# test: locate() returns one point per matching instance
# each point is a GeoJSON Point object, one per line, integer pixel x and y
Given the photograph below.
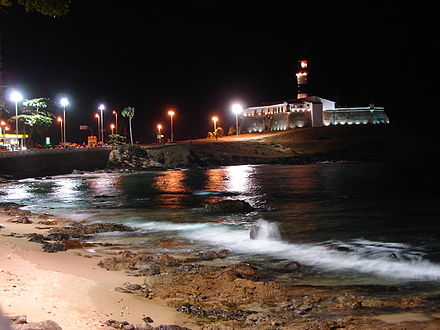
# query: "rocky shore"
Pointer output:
{"type": "Point", "coordinates": [387, 143]}
{"type": "Point", "coordinates": [211, 289]}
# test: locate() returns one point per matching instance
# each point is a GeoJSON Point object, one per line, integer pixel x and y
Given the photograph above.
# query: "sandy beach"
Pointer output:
{"type": "Point", "coordinates": [68, 287]}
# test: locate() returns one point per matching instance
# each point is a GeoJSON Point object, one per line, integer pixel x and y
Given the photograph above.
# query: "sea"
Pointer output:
{"type": "Point", "coordinates": [345, 223]}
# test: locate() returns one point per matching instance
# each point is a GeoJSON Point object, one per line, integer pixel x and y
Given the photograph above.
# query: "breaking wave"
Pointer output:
{"type": "Point", "coordinates": [392, 260]}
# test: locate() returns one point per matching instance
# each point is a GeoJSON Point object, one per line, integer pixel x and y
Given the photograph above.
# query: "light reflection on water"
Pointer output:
{"type": "Point", "coordinates": [313, 204]}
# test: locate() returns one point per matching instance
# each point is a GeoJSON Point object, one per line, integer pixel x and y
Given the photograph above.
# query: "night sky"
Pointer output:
{"type": "Point", "coordinates": [199, 57]}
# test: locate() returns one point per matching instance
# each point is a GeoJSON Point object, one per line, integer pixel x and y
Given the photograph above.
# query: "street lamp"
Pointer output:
{"type": "Point", "coordinates": [2, 123]}
{"type": "Point", "coordinates": [112, 127]}
{"type": "Point", "coordinates": [64, 103]}
{"type": "Point", "coordinates": [159, 133]}
{"type": "Point", "coordinates": [16, 97]}
{"type": "Point", "coordinates": [116, 120]}
{"type": "Point", "coordinates": [214, 119]}
{"type": "Point", "coordinates": [60, 120]}
{"type": "Point", "coordinates": [102, 108]}
{"type": "Point", "coordinates": [237, 108]}
{"type": "Point", "coordinates": [99, 135]}
{"type": "Point", "coordinates": [171, 114]}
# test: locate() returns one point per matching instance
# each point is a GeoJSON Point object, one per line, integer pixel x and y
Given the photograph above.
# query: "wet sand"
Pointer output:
{"type": "Point", "coordinates": [68, 287]}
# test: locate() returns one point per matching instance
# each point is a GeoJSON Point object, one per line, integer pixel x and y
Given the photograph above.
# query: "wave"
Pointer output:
{"type": "Point", "coordinates": [362, 256]}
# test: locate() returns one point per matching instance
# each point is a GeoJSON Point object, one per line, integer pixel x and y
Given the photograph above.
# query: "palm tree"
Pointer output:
{"type": "Point", "coordinates": [129, 112]}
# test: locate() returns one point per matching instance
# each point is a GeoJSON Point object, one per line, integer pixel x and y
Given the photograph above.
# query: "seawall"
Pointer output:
{"type": "Point", "coordinates": [35, 163]}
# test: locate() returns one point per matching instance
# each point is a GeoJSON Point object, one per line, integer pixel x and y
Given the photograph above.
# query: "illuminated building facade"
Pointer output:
{"type": "Point", "coordinates": [307, 111]}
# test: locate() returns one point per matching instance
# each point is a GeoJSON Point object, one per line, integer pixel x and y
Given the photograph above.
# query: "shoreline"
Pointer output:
{"type": "Point", "coordinates": [77, 289]}
{"type": "Point", "coordinates": [68, 288]}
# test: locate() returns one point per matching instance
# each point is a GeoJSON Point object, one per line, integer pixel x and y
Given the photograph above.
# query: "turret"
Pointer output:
{"type": "Point", "coordinates": [302, 77]}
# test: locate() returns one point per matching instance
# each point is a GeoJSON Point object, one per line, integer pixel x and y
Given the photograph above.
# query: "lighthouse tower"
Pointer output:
{"type": "Point", "coordinates": [302, 77]}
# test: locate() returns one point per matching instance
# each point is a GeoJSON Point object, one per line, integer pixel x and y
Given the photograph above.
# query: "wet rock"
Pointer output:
{"type": "Point", "coordinates": [242, 271]}
{"type": "Point", "coordinates": [393, 256]}
{"type": "Point", "coordinates": [17, 212]}
{"type": "Point", "coordinates": [164, 259]}
{"type": "Point", "coordinates": [410, 302]}
{"type": "Point", "coordinates": [143, 326]}
{"type": "Point", "coordinates": [20, 323]}
{"type": "Point", "coordinates": [147, 319]}
{"type": "Point", "coordinates": [72, 244]}
{"type": "Point", "coordinates": [147, 268]}
{"type": "Point", "coordinates": [117, 324]}
{"type": "Point", "coordinates": [229, 206]}
{"type": "Point", "coordinates": [53, 247]}
{"type": "Point", "coordinates": [209, 255]}
{"type": "Point", "coordinates": [122, 290]}
{"type": "Point", "coordinates": [372, 303]}
{"type": "Point", "coordinates": [349, 301]}
{"type": "Point", "coordinates": [293, 265]}
{"type": "Point", "coordinates": [132, 287]}
{"type": "Point", "coordinates": [20, 219]}
{"type": "Point", "coordinates": [114, 263]}
{"type": "Point", "coordinates": [191, 309]}
{"type": "Point", "coordinates": [37, 238]}
{"type": "Point", "coordinates": [253, 320]}
{"type": "Point", "coordinates": [78, 230]}
{"type": "Point", "coordinates": [59, 237]}
{"type": "Point", "coordinates": [46, 223]}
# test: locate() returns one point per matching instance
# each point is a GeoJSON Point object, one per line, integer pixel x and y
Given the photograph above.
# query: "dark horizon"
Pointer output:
{"type": "Point", "coordinates": [200, 57]}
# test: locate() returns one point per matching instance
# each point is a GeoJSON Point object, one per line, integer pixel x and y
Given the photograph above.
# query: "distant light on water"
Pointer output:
{"type": "Point", "coordinates": [239, 180]}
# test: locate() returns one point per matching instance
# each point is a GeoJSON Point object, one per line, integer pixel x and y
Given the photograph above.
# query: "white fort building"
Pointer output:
{"type": "Point", "coordinates": [307, 111]}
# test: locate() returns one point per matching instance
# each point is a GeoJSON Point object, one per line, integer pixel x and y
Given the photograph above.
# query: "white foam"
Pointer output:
{"type": "Point", "coordinates": [321, 256]}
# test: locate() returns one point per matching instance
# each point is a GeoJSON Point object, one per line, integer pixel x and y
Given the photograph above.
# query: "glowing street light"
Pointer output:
{"type": "Point", "coordinates": [2, 128]}
{"type": "Point", "coordinates": [102, 108]}
{"type": "Point", "coordinates": [60, 120]}
{"type": "Point", "coordinates": [159, 133]}
{"type": "Point", "coordinates": [64, 103]}
{"type": "Point", "coordinates": [116, 120]}
{"type": "Point", "coordinates": [16, 97]}
{"type": "Point", "coordinates": [171, 114]}
{"type": "Point", "coordinates": [112, 127]}
{"type": "Point", "coordinates": [215, 119]}
{"type": "Point", "coordinates": [99, 135]}
{"type": "Point", "coordinates": [237, 109]}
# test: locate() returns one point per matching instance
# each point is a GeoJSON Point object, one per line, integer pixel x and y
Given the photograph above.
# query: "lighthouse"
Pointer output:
{"type": "Point", "coordinates": [302, 78]}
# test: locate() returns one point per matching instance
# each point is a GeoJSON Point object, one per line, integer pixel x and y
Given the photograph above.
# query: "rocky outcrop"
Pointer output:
{"type": "Point", "coordinates": [72, 236]}
{"type": "Point", "coordinates": [20, 322]}
{"type": "Point", "coordinates": [77, 230]}
{"type": "Point", "coordinates": [229, 206]}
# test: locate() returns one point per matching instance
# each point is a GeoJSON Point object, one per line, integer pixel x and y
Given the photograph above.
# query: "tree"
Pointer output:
{"type": "Point", "coordinates": [219, 132]}
{"type": "Point", "coordinates": [37, 116]}
{"type": "Point", "coordinates": [129, 113]}
{"type": "Point", "coordinates": [116, 139]}
{"type": "Point", "coordinates": [54, 8]}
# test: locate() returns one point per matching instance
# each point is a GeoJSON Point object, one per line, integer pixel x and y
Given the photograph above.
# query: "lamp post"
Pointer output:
{"type": "Point", "coordinates": [171, 114]}
{"type": "Point", "coordinates": [60, 120]}
{"type": "Point", "coordinates": [99, 134]}
{"type": "Point", "coordinates": [236, 108]}
{"type": "Point", "coordinates": [102, 108]}
{"type": "Point", "coordinates": [16, 97]}
{"type": "Point", "coordinates": [159, 133]}
{"type": "Point", "coordinates": [112, 127]}
{"type": "Point", "coordinates": [116, 120]}
{"type": "Point", "coordinates": [214, 119]}
{"type": "Point", "coordinates": [64, 103]}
